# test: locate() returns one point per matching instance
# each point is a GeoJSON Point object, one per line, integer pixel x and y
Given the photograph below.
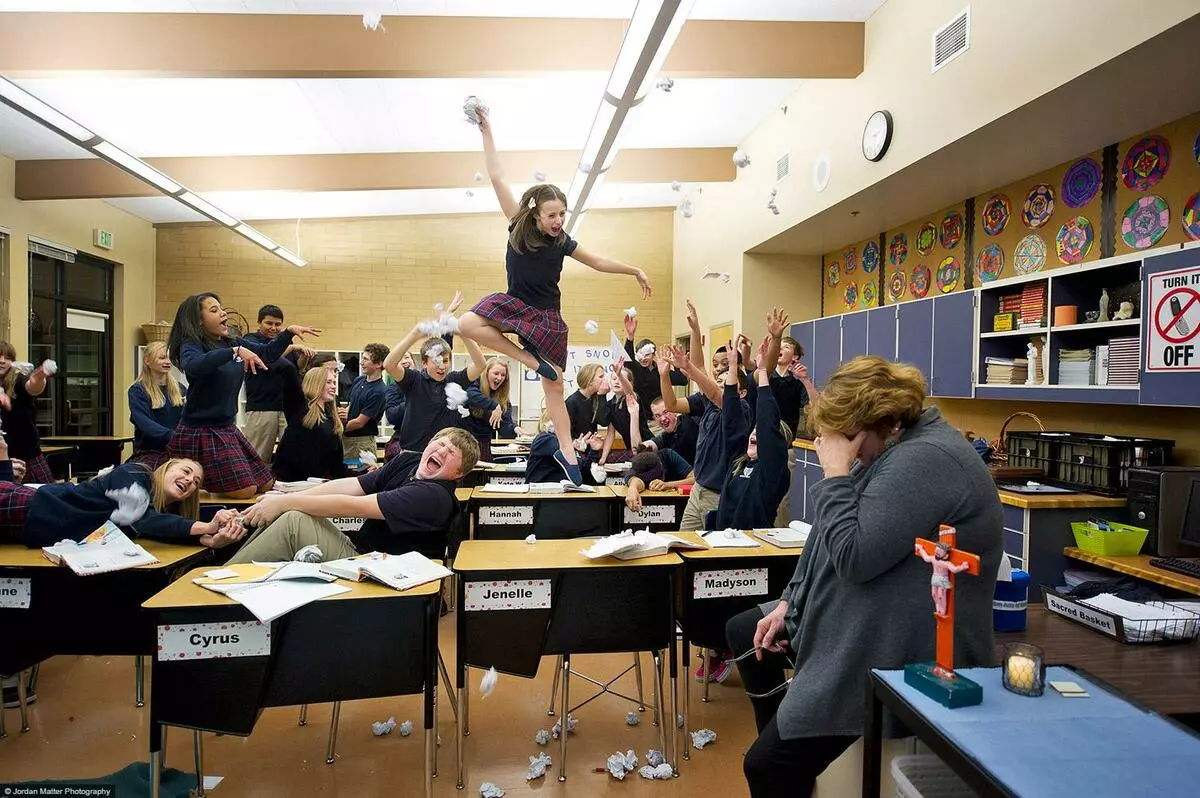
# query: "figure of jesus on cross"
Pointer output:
{"type": "Point", "coordinates": [946, 561]}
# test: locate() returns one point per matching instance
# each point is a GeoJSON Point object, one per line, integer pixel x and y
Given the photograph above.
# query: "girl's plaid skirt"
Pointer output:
{"type": "Point", "coordinates": [542, 332]}
{"type": "Point", "coordinates": [230, 462]}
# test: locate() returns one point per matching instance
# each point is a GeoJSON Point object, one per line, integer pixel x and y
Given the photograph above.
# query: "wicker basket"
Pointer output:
{"type": "Point", "coordinates": [156, 331]}
{"type": "Point", "coordinates": [999, 467]}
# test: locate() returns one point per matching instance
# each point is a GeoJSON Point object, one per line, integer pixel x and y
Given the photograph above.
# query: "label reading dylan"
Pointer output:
{"type": "Point", "coordinates": [651, 514]}
{"type": "Point", "coordinates": [505, 514]}
{"type": "Point", "coordinates": [15, 593]}
{"type": "Point", "coordinates": [348, 523]}
{"type": "Point", "coordinates": [517, 594]}
{"type": "Point", "coordinates": [737, 582]}
{"type": "Point", "coordinates": [189, 641]}
{"type": "Point", "coordinates": [1099, 622]}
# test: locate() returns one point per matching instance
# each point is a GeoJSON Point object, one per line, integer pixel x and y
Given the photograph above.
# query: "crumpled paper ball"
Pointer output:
{"type": "Point", "coordinates": [557, 730]}
{"type": "Point", "coordinates": [341, 367]}
{"type": "Point", "coordinates": [49, 367]}
{"type": "Point", "coordinates": [489, 790]}
{"type": "Point", "coordinates": [456, 397]}
{"type": "Point", "coordinates": [702, 737]}
{"type": "Point", "coordinates": [382, 727]}
{"type": "Point", "coordinates": [470, 106]}
{"type": "Point", "coordinates": [406, 728]}
{"type": "Point", "coordinates": [444, 323]}
{"type": "Point", "coordinates": [664, 84]}
{"type": "Point", "coordinates": [646, 350]}
{"type": "Point", "coordinates": [542, 737]}
{"type": "Point", "coordinates": [686, 209]}
{"type": "Point", "coordinates": [23, 366]}
{"type": "Point", "coordinates": [373, 21]}
{"type": "Point", "coordinates": [311, 553]}
{"type": "Point", "coordinates": [632, 719]}
{"type": "Point", "coordinates": [539, 176]}
{"type": "Point", "coordinates": [367, 457]}
{"type": "Point", "coordinates": [631, 312]}
{"type": "Point", "coordinates": [654, 758]}
{"type": "Point", "coordinates": [531, 539]}
{"type": "Point", "coordinates": [598, 473]}
{"type": "Point", "coordinates": [620, 764]}
{"type": "Point", "coordinates": [470, 193]}
{"type": "Point", "coordinates": [592, 326]}
{"type": "Point", "coordinates": [740, 159]}
{"type": "Point", "coordinates": [537, 766]}
{"type": "Point", "coordinates": [487, 685]}
{"type": "Point", "coordinates": [479, 177]}
{"type": "Point", "coordinates": [132, 502]}
{"type": "Point", "coordinates": [676, 185]}
{"type": "Point", "coordinates": [661, 771]}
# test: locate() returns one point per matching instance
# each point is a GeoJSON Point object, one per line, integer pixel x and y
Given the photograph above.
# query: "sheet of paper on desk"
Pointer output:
{"type": "Point", "coordinates": [495, 487]}
{"type": "Point", "coordinates": [728, 539]}
{"type": "Point", "coordinates": [271, 600]}
{"type": "Point", "coordinates": [106, 550]}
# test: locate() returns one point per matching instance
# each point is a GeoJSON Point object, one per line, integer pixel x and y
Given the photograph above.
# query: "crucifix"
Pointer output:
{"type": "Point", "coordinates": [938, 679]}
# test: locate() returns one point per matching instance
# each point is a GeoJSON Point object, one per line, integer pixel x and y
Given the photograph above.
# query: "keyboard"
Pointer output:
{"type": "Point", "coordinates": [1178, 565]}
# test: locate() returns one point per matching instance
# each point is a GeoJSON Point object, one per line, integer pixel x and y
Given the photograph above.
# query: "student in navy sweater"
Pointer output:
{"type": "Point", "coordinates": [264, 390]}
{"type": "Point", "coordinates": [155, 407]}
{"type": "Point", "coordinates": [679, 432]}
{"type": "Point", "coordinates": [311, 445]}
{"type": "Point", "coordinates": [623, 410]}
{"type": "Point", "coordinates": [368, 400]}
{"type": "Point", "coordinates": [215, 365]}
{"type": "Point", "coordinates": [645, 372]}
{"type": "Point", "coordinates": [491, 410]}
{"type": "Point", "coordinates": [18, 414]}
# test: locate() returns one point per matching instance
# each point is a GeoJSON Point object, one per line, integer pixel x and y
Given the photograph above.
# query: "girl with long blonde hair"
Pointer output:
{"type": "Point", "coordinates": [156, 403]}
{"type": "Point", "coordinates": [491, 409]}
{"type": "Point", "coordinates": [311, 445]}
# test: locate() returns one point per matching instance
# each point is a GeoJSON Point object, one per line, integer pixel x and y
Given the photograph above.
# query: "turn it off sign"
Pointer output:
{"type": "Point", "coordinates": [1173, 321]}
{"type": "Point", "coordinates": [102, 238]}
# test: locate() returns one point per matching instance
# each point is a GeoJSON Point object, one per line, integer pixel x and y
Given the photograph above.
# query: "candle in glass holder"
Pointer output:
{"type": "Point", "coordinates": [1020, 671]}
{"type": "Point", "coordinates": [1024, 669]}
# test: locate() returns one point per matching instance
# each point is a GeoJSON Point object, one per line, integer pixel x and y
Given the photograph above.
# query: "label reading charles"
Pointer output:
{"type": "Point", "coordinates": [735, 582]}
{"type": "Point", "coordinates": [348, 523]}
{"type": "Point", "coordinates": [15, 594]}
{"type": "Point", "coordinates": [515, 594]}
{"type": "Point", "coordinates": [191, 641]}
{"type": "Point", "coordinates": [506, 514]}
{"type": "Point", "coordinates": [651, 514]}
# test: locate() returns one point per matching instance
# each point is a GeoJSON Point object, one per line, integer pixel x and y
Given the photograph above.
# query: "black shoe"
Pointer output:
{"type": "Point", "coordinates": [10, 698]}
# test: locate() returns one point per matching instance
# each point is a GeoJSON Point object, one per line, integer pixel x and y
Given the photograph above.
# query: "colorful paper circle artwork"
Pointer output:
{"type": "Point", "coordinates": [1074, 240]}
{"type": "Point", "coordinates": [850, 256]}
{"type": "Point", "coordinates": [926, 238]}
{"type": "Point", "coordinates": [850, 296]}
{"type": "Point", "coordinates": [898, 249]}
{"type": "Point", "coordinates": [1191, 217]}
{"type": "Point", "coordinates": [896, 285]}
{"type": "Point", "coordinates": [870, 257]}
{"type": "Point", "coordinates": [1039, 206]}
{"type": "Point", "coordinates": [948, 274]}
{"type": "Point", "coordinates": [1081, 183]}
{"type": "Point", "coordinates": [1196, 148]}
{"type": "Point", "coordinates": [1145, 221]}
{"type": "Point", "coordinates": [833, 275]}
{"type": "Point", "coordinates": [995, 214]}
{"type": "Point", "coordinates": [1030, 254]}
{"type": "Point", "coordinates": [952, 230]}
{"type": "Point", "coordinates": [990, 263]}
{"type": "Point", "coordinates": [918, 284]}
{"type": "Point", "coordinates": [1146, 163]}
{"type": "Point", "coordinates": [868, 294]}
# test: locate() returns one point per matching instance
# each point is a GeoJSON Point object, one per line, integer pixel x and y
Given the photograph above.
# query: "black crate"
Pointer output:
{"type": "Point", "coordinates": [1087, 461]}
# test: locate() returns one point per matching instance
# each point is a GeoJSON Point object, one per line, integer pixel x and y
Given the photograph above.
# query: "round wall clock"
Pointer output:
{"type": "Point", "coordinates": [877, 136]}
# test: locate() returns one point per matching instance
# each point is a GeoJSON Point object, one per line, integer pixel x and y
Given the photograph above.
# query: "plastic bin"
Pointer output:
{"type": "Point", "coordinates": [924, 776]}
{"type": "Point", "coordinates": [1086, 461]}
{"type": "Point", "coordinates": [1009, 603]}
{"type": "Point", "coordinates": [1120, 540]}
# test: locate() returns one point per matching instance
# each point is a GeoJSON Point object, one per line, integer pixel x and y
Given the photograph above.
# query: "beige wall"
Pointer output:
{"type": "Point", "coordinates": [71, 222]}
{"type": "Point", "coordinates": [784, 281]}
{"type": "Point", "coordinates": [371, 279]}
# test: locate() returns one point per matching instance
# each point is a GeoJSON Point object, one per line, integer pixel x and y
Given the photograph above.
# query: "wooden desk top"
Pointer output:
{"type": "Point", "coordinates": [802, 443]}
{"type": "Point", "coordinates": [517, 555]}
{"type": "Point", "coordinates": [1163, 677]}
{"type": "Point", "coordinates": [90, 438]}
{"type": "Point", "coordinates": [208, 498]}
{"type": "Point", "coordinates": [1058, 501]}
{"type": "Point", "coordinates": [57, 449]}
{"type": "Point", "coordinates": [168, 554]}
{"type": "Point", "coordinates": [1140, 567]}
{"type": "Point", "coordinates": [621, 491]}
{"type": "Point", "coordinates": [183, 592]}
{"type": "Point", "coordinates": [479, 493]}
{"type": "Point", "coordinates": [764, 549]}
{"type": "Point", "coordinates": [463, 494]}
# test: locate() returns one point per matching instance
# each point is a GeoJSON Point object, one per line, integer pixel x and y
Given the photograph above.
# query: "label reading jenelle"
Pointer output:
{"type": "Point", "coordinates": [505, 514]}
{"type": "Point", "coordinates": [651, 514]}
{"type": "Point", "coordinates": [191, 641]}
{"type": "Point", "coordinates": [515, 594]}
{"type": "Point", "coordinates": [735, 582]}
{"type": "Point", "coordinates": [15, 594]}
{"type": "Point", "coordinates": [348, 523]}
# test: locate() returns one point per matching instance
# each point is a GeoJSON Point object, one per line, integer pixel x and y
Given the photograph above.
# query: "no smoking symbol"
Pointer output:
{"type": "Point", "coordinates": [1170, 317]}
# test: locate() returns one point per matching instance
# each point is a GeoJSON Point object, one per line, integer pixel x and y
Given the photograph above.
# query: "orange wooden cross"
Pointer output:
{"type": "Point", "coordinates": [945, 623]}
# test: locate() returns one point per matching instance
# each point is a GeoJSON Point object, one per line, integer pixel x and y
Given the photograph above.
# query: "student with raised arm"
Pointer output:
{"type": "Point", "coordinates": [155, 407]}
{"type": "Point", "coordinates": [655, 471]}
{"type": "Point", "coordinates": [215, 365]}
{"type": "Point", "coordinates": [793, 391]}
{"type": "Point", "coordinates": [679, 432]}
{"type": "Point", "coordinates": [625, 419]}
{"type": "Point", "coordinates": [537, 245]}
{"type": "Point", "coordinates": [645, 372]}
{"type": "Point", "coordinates": [311, 445]}
{"type": "Point", "coordinates": [18, 413]}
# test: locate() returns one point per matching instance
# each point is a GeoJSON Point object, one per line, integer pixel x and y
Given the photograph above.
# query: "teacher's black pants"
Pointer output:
{"type": "Point", "coordinates": [774, 767]}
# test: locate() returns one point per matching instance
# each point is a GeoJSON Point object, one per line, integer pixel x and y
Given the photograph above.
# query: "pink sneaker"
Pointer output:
{"type": "Point", "coordinates": [719, 671]}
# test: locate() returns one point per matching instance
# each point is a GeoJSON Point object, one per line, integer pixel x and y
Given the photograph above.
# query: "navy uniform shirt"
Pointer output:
{"type": "Point", "coordinates": [152, 427]}
{"type": "Point", "coordinates": [533, 274]}
{"type": "Point", "coordinates": [426, 413]}
{"type": "Point", "coordinates": [214, 378]}
{"type": "Point", "coordinates": [682, 440]}
{"type": "Point", "coordinates": [712, 463]}
{"type": "Point", "coordinates": [367, 397]}
{"type": "Point", "coordinates": [20, 423]}
{"type": "Point", "coordinates": [417, 513]}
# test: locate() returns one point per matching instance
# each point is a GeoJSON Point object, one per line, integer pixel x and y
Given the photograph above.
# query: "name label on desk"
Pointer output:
{"type": "Point", "coordinates": [348, 523]}
{"type": "Point", "coordinates": [505, 514]}
{"type": "Point", "coordinates": [1101, 622]}
{"type": "Point", "coordinates": [735, 582]}
{"type": "Point", "coordinates": [615, 482]}
{"type": "Point", "coordinates": [517, 594]}
{"type": "Point", "coordinates": [192, 641]}
{"type": "Point", "coordinates": [15, 594]}
{"type": "Point", "coordinates": [507, 480]}
{"type": "Point", "coordinates": [651, 514]}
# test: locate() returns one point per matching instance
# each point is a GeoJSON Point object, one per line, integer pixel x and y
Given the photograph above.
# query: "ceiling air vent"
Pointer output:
{"type": "Point", "coordinates": [952, 39]}
{"type": "Point", "coordinates": [782, 167]}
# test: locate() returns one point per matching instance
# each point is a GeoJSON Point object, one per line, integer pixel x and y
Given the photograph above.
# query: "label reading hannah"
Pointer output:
{"type": "Point", "coordinates": [190, 641]}
{"type": "Point", "coordinates": [15, 593]}
{"type": "Point", "coordinates": [737, 582]}
{"type": "Point", "coordinates": [348, 523]}
{"type": "Point", "coordinates": [651, 514]}
{"type": "Point", "coordinates": [507, 480]}
{"type": "Point", "coordinates": [504, 514]}
{"type": "Point", "coordinates": [518, 594]}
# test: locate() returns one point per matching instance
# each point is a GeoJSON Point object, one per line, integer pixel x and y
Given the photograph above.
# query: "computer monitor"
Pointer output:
{"type": "Point", "coordinates": [1189, 532]}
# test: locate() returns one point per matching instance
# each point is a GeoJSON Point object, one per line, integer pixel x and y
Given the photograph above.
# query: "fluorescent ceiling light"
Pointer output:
{"type": "Point", "coordinates": [207, 208]}
{"type": "Point", "coordinates": [21, 100]}
{"type": "Point", "coordinates": [255, 236]}
{"type": "Point", "coordinates": [575, 191]}
{"type": "Point", "coordinates": [638, 36]}
{"type": "Point", "coordinates": [682, 12]}
{"type": "Point", "coordinates": [143, 170]}
{"type": "Point", "coordinates": [600, 126]}
{"type": "Point", "coordinates": [287, 255]}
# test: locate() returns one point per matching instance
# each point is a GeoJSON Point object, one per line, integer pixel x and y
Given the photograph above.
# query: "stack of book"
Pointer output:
{"type": "Point", "coordinates": [1010, 303]}
{"type": "Point", "coordinates": [1123, 361]}
{"type": "Point", "coordinates": [1076, 366]}
{"type": "Point", "coordinates": [1006, 371]}
{"type": "Point", "coordinates": [1033, 305]}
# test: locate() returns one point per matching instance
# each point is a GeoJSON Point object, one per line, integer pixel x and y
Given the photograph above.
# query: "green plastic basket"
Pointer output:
{"type": "Point", "coordinates": [1121, 540]}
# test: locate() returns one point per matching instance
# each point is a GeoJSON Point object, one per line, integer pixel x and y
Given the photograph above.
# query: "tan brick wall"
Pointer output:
{"type": "Point", "coordinates": [371, 279]}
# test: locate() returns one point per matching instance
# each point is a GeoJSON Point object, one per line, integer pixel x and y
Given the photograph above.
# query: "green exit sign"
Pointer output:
{"type": "Point", "coordinates": [102, 238]}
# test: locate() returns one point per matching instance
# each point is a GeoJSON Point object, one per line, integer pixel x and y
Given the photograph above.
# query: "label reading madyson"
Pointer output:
{"type": "Point", "coordinates": [515, 594]}
{"type": "Point", "coordinates": [738, 582]}
{"type": "Point", "coordinates": [190, 641]}
{"type": "Point", "coordinates": [505, 514]}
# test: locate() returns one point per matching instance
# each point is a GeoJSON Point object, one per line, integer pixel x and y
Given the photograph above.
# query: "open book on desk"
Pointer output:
{"type": "Point", "coordinates": [397, 571]}
{"type": "Point", "coordinates": [294, 487]}
{"type": "Point", "coordinates": [728, 539]}
{"type": "Point", "coordinates": [565, 486]}
{"type": "Point", "coordinates": [631, 545]}
{"type": "Point", "coordinates": [792, 536]}
{"type": "Point", "coordinates": [106, 550]}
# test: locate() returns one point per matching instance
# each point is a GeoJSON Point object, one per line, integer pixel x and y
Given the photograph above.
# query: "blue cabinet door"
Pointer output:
{"type": "Point", "coordinates": [803, 333]}
{"type": "Point", "coordinates": [953, 345]}
{"type": "Point", "coordinates": [1178, 388]}
{"type": "Point", "coordinates": [827, 349]}
{"type": "Point", "coordinates": [914, 342]}
{"type": "Point", "coordinates": [854, 335]}
{"type": "Point", "coordinates": [881, 332]}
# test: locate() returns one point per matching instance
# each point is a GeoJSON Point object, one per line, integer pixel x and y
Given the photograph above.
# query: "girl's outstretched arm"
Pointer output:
{"type": "Point", "coordinates": [602, 264]}
{"type": "Point", "coordinates": [508, 203]}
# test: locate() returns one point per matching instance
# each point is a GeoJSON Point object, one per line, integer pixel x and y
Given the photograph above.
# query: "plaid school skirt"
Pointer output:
{"type": "Point", "coordinates": [542, 332]}
{"type": "Point", "coordinates": [150, 458]}
{"type": "Point", "coordinates": [37, 471]}
{"type": "Point", "coordinates": [14, 509]}
{"type": "Point", "coordinates": [230, 462]}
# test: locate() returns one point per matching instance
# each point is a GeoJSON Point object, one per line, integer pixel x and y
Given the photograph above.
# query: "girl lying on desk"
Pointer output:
{"type": "Point", "coordinates": [656, 471]}
{"type": "Point", "coordinates": [45, 515]}
{"type": "Point", "coordinates": [408, 505]}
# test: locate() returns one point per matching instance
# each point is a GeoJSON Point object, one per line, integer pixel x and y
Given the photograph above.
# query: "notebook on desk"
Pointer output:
{"type": "Point", "coordinates": [397, 571]}
{"type": "Point", "coordinates": [631, 545]}
{"type": "Point", "coordinates": [106, 550]}
{"type": "Point", "coordinates": [793, 536]}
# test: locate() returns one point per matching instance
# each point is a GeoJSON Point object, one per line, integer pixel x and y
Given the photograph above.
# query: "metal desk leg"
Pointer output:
{"type": "Point", "coordinates": [432, 660]}
{"type": "Point", "coordinates": [33, 676]}
{"type": "Point", "coordinates": [459, 737]}
{"type": "Point", "coordinates": [139, 676]}
{"type": "Point", "coordinates": [333, 730]}
{"type": "Point", "coordinates": [432, 709]}
{"type": "Point", "coordinates": [658, 703]}
{"type": "Point", "coordinates": [162, 746]}
{"type": "Point", "coordinates": [156, 757]}
{"type": "Point", "coordinates": [707, 654]}
{"type": "Point", "coordinates": [637, 670]}
{"type": "Point", "coordinates": [303, 715]}
{"type": "Point", "coordinates": [198, 749]}
{"type": "Point", "coordinates": [564, 719]}
{"type": "Point", "coordinates": [687, 699]}
{"type": "Point", "coordinates": [21, 700]}
{"type": "Point", "coordinates": [465, 702]}
{"type": "Point", "coordinates": [554, 688]}
{"type": "Point", "coordinates": [445, 673]}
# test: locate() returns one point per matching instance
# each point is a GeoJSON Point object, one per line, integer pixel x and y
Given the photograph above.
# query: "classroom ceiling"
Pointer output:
{"type": "Point", "coordinates": [278, 109]}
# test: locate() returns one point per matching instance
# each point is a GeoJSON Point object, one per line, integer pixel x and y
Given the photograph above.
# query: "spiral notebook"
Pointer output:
{"type": "Point", "coordinates": [106, 550]}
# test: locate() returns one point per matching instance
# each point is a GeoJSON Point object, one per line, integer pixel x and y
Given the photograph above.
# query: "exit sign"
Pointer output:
{"type": "Point", "coordinates": [102, 238]}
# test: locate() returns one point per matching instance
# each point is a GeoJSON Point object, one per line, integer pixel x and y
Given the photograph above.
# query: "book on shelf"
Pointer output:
{"type": "Point", "coordinates": [106, 550]}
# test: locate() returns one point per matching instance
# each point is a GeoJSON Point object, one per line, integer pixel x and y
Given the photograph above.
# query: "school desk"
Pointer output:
{"type": "Point", "coordinates": [719, 583]}
{"type": "Point", "coordinates": [59, 458]}
{"type": "Point", "coordinates": [1101, 746]}
{"type": "Point", "coordinates": [662, 510]}
{"type": "Point", "coordinates": [92, 452]}
{"type": "Point", "coordinates": [561, 604]}
{"type": "Point", "coordinates": [1139, 566]}
{"type": "Point", "coordinates": [513, 516]}
{"type": "Point", "coordinates": [372, 642]}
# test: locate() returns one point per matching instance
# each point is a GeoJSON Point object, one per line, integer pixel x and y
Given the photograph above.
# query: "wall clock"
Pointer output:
{"type": "Point", "coordinates": [877, 136]}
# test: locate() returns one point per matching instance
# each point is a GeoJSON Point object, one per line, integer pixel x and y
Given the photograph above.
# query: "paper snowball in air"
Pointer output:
{"type": "Point", "coordinates": [591, 326]}
{"type": "Point", "coordinates": [488, 684]}
{"type": "Point", "coordinates": [470, 106]}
